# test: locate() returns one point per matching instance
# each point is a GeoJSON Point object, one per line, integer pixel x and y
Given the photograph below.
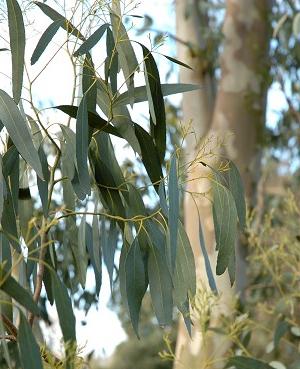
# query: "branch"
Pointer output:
{"type": "Point", "coordinates": [11, 328]}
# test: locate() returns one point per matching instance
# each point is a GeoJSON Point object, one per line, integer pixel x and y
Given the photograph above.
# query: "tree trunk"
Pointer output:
{"type": "Point", "coordinates": [239, 108]}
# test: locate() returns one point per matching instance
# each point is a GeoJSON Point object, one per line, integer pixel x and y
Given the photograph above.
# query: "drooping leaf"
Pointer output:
{"type": "Point", "coordinates": [10, 161]}
{"type": "Point", "coordinates": [235, 185]}
{"type": "Point", "coordinates": [64, 309]}
{"type": "Point", "coordinates": [112, 62]}
{"type": "Point", "coordinates": [80, 193]}
{"type": "Point", "coordinates": [45, 39]}
{"type": "Point", "coordinates": [136, 282]}
{"type": "Point", "coordinates": [173, 211]}
{"type": "Point", "coordinates": [29, 350]}
{"type": "Point", "coordinates": [8, 222]}
{"type": "Point", "coordinates": [109, 238]}
{"type": "Point", "coordinates": [2, 189]}
{"type": "Point", "coordinates": [184, 277]}
{"type": "Point", "coordinates": [93, 255]}
{"type": "Point", "coordinates": [91, 41]}
{"type": "Point", "coordinates": [209, 272]}
{"type": "Point", "coordinates": [160, 282]}
{"type": "Point", "coordinates": [106, 151]}
{"type": "Point", "coordinates": [17, 46]}
{"type": "Point", "coordinates": [225, 222]}
{"type": "Point", "coordinates": [55, 16]}
{"type": "Point", "coordinates": [243, 362]}
{"type": "Point", "coordinates": [156, 102]}
{"type": "Point", "coordinates": [18, 132]}
{"type": "Point", "coordinates": [82, 257]}
{"type": "Point", "coordinates": [82, 142]}
{"type": "Point", "coordinates": [140, 93]}
{"type": "Point", "coordinates": [17, 292]}
{"type": "Point", "coordinates": [89, 85]}
{"type": "Point", "coordinates": [43, 185]}
{"type": "Point", "coordinates": [97, 252]}
{"type": "Point", "coordinates": [173, 60]}
{"type": "Point", "coordinates": [128, 61]}
{"type": "Point", "coordinates": [150, 156]}
{"type": "Point", "coordinates": [108, 188]}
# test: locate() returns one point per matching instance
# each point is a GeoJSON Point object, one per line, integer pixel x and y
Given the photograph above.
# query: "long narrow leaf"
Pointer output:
{"type": "Point", "coordinates": [29, 350]}
{"type": "Point", "coordinates": [173, 211]}
{"type": "Point", "coordinates": [17, 46]}
{"type": "Point", "coordinates": [18, 132]}
{"type": "Point", "coordinates": [45, 39]}
{"type": "Point", "coordinates": [156, 102]}
{"type": "Point", "coordinates": [55, 16]}
{"type": "Point", "coordinates": [82, 142]}
{"type": "Point", "coordinates": [92, 40]}
{"type": "Point", "coordinates": [140, 93]}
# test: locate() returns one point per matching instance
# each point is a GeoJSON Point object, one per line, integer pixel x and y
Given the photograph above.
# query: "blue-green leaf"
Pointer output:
{"type": "Point", "coordinates": [94, 255]}
{"type": "Point", "coordinates": [45, 39]}
{"type": "Point", "coordinates": [64, 309]}
{"type": "Point", "coordinates": [92, 40]}
{"type": "Point", "coordinates": [225, 222]}
{"type": "Point", "coordinates": [173, 211]}
{"type": "Point", "coordinates": [18, 132]}
{"type": "Point", "coordinates": [82, 257]}
{"type": "Point", "coordinates": [209, 272]}
{"type": "Point", "coordinates": [109, 238]}
{"type": "Point", "coordinates": [29, 350]}
{"type": "Point", "coordinates": [184, 277]}
{"type": "Point", "coordinates": [89, 85]}
{"type": "Point", "coordinates": [161, 286]}
{"type": "Point", "coordinates": [55, 16]}
{"type": "Point", "coordinates": [136, 282]}
{"type": "Point", "coordinates": [2, 189]}
{"type": "Point", "coordinates": [112, 62]}
{"type": "Point", "coordinates": [140, 93]}
{"type": "Point", "coordinates": [43, 185]}
{"type": "Point", "coordinates": [235, 185]}
{"type": "Point", "coordinates": [82, 143]}
{"type": "Point", "coordinates": [176, 61]}
{"type": "Point", "coordinates": [17, 292]}
{"type": "Point", "coordinates": [17, 46]}
{"type": "Point", "coordinates": [156, 102]}
{"type": "Point", "coordinates": [127, 58]}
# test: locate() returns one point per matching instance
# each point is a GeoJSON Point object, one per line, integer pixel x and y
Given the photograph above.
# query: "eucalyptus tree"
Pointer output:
{"type": "Point", "coordinates": [66, 204]}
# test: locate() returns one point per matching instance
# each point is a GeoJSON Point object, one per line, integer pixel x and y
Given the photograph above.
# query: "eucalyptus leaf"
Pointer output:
{"type": "Point", "coordinates": [173, 211]}
{"type": "Point", "coordinates": [140, 93]}
{"type": "Point", "coordinates": [45, 39]}
{"type": "Point", "coordinates": [64, 309]}
{"type": "Point", "coordinates": [55, 16]}
{"type": "Point", "coordinates": [82, 142]}
{"type": "Point", "coordinates": [29, 349]}
{"type": "Point", "coordinates": [17, 46]}
{"type": "Point", "coordinates": [136, 282]}
{"type": "Point", "coordinates": [18, 132]}
{"type": "Point", "coordinates": [17, 292]}
{"type": "Point", "coordinates": [225, 222]}
{"type": "Point", "coordinates": [156, 102]}
{"type": "Point", "coordinates": [92, 40]}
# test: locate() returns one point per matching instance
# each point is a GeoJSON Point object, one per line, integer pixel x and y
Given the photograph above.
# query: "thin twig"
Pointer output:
{"type": "Point", "coordinates": [9, 325]}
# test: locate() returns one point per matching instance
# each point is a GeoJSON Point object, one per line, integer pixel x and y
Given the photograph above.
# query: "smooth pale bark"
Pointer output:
{"type": "Point", "coordinates": [239, 109]}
